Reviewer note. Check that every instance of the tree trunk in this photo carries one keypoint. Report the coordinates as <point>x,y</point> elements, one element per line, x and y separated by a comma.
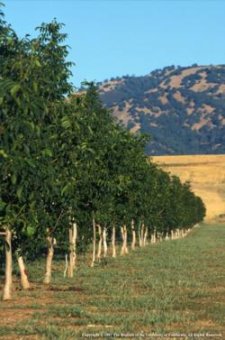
<point>114,241</point>
<point>94,242</point>
<point>145,237</point>
<point>66,266</point>
<point>99,243</point>
<point>133,244</point>
<point>172,235</point>
<point>153,237</point>
<point>167,237</point>
<point>141,236</point>
<point>124,249</point>
<point>125,240</point>
<point>175,234</point>
<point>72,255</point>
<point>7,289</point>
<point>104,239</point>
<point>48,271</point>
<point>23,274</point>
<point>122,252</point>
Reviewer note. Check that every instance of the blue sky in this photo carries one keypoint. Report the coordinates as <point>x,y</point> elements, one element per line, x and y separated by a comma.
<point>115,38</point>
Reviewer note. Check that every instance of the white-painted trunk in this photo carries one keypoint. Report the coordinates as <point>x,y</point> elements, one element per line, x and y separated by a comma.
<point>99,254</point>
<point>172,235</point>
<point>125,240</point>
<point>48,270</point>
<point>153,238</point>
<point>7,289</point>
<point>141,235</point>
<point>72,254</point>
<point>23,274</point>
<point>122,252</point>
<point>94,243</point>
<point>113,241</point>
<point>104,238</point>
<point>66,266</point>
<point>133,244</point>
<point>124,249</point>
<point>167,237</point>
<point>145,241</point>
<point>158,237</point>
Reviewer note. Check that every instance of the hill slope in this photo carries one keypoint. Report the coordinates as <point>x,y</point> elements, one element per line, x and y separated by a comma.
<point>206,174</point>
<point>182,108</point>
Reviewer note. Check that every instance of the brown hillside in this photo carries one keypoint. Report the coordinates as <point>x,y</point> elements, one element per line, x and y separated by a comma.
<point>181,108</point>
<point>206,174</point>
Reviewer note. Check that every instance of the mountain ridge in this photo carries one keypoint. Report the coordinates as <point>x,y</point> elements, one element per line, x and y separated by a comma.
<point>181,108</point>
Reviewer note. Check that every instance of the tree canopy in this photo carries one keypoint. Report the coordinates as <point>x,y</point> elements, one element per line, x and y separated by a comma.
<point>64,157</point>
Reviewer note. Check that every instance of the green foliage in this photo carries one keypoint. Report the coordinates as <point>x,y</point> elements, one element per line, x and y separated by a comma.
<point>63,156</point>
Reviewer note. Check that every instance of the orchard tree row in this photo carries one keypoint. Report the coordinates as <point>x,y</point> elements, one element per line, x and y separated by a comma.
<point>71,176</point>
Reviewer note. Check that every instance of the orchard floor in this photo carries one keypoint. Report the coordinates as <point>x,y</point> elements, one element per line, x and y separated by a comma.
<point>171,290</point>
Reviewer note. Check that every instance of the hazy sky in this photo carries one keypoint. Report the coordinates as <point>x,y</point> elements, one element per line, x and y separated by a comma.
<point>115,38</point>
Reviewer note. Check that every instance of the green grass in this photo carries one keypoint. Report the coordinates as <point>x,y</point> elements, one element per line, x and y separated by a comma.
<point>171,287</point>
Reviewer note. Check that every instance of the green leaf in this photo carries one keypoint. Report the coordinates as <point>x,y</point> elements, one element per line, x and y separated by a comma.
<point>14,90</point>
<point>19,192</point>
<point>65,188</point>
<point>30,162</point>
<point>3,153</point>
<point>47,152</point>
<point>65,121</point>
<point>35,87</point>
<point>2,205</point>
<point>30,230</point>
<point>37,63</point>
<point>13,179</point>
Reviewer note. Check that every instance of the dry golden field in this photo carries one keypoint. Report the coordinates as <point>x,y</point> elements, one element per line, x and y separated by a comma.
<point>206,174</point>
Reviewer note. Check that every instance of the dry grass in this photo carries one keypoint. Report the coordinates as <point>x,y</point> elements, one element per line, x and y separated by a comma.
<point>206,174</point>
<point>176,80</point>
